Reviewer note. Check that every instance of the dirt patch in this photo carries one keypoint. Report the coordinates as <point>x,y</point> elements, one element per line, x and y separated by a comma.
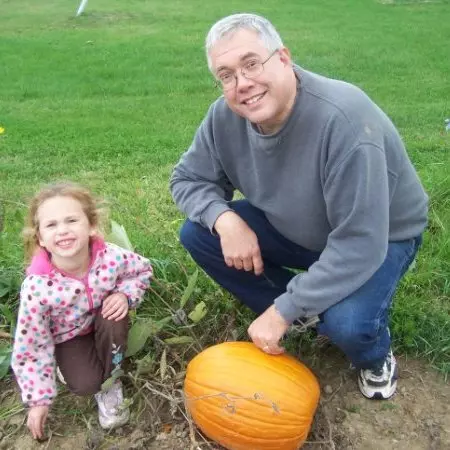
<point>417,418</point>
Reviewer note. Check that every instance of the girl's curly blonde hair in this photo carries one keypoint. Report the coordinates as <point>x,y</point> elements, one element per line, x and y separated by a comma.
<point>91,207</point>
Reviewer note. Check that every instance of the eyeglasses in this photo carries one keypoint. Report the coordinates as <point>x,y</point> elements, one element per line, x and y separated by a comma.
<point>227,80</point>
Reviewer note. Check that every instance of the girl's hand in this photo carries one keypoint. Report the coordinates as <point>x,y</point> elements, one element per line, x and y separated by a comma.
<point>115,307</point>
<point>37,416</point>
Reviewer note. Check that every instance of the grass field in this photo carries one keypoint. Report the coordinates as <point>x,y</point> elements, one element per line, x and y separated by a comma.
<point>112,98</point>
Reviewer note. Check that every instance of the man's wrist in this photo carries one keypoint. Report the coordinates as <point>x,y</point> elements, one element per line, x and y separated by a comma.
<point>280,315</point>
<point>286,308</point>
<point>221,219</point>
<point>211,214</point>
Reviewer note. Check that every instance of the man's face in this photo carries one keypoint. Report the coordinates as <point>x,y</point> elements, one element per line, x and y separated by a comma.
<point>265,100</point>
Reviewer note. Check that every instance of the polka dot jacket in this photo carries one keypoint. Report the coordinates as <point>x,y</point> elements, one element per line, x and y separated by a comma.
<point>55,307</point>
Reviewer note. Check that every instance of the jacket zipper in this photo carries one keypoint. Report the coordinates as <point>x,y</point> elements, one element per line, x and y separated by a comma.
<point>85,281</point>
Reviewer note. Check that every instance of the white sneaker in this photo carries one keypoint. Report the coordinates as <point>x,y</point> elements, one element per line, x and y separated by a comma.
<point>112,413</point>
<point>379,384</point>
<point>60,375</point>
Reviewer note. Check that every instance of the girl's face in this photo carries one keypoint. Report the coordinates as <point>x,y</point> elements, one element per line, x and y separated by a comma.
<point>64,231</point>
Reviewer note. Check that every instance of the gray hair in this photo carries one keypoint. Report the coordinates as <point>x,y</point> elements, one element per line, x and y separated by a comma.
<point>231,24</point>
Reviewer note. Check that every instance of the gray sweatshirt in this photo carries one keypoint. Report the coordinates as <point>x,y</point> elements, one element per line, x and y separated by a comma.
<point>335,178</point>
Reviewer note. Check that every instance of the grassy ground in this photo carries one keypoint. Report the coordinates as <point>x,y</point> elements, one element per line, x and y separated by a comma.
<point>112,98</point>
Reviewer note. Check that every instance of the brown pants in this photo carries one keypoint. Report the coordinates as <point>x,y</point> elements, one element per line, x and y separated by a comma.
<point>87,361</point>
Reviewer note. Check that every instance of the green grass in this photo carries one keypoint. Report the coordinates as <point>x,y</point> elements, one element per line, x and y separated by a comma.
<point>112,98</point>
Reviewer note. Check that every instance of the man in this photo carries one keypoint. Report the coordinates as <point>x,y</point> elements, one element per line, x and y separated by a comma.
<point>328,188</point>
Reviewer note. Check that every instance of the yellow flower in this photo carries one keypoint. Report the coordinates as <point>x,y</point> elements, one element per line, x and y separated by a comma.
<point>2,130</point>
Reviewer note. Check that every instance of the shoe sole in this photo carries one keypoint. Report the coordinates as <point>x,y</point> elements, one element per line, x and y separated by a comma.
<point>374,393</point>
<point>107,426</point>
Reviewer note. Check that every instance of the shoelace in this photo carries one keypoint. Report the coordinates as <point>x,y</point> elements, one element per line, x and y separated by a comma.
<point>378,373</point>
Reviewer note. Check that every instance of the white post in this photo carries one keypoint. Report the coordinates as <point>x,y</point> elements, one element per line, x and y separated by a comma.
<point>81,7</point>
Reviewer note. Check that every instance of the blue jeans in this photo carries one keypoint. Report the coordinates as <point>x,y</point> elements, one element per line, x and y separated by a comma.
<point>358,324</point>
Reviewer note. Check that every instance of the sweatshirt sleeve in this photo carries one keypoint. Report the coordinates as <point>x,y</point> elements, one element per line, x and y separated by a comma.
<point>199,186</point>
<point>33,360</point>
<point>133,277</point>
<point>357,200</point>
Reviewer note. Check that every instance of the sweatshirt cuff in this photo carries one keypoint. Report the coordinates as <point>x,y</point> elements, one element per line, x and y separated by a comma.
<point>212,212</point>
<point>287,308</point>
<point>43,402</point>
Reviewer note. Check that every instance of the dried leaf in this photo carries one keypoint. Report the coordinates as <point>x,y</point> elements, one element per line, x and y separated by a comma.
<point>179,317</point>
<point>163,365</point>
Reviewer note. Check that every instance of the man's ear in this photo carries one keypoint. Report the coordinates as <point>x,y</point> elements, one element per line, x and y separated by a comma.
<point>285,56</point>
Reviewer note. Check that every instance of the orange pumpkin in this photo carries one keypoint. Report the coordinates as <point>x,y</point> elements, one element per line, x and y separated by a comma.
<point>244,399</point>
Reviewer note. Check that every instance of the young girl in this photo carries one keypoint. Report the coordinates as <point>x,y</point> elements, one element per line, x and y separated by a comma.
<point>74,305</point>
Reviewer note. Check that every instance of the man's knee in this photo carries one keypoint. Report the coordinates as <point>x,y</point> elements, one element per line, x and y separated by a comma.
<point>351,330</point>
<point>338,332</point>
<point>197,239</point>
<point>188,234</point>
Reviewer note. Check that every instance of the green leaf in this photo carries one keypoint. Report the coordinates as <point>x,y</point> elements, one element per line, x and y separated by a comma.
<point>6,285</point>
<point>119,236</point>
<point>198,312</point>
<point>107,384</point>
<point>5,359</point>
<point>4,367</point>
<point>7,313</point>
<point>179,340</point>
<point>144,365</point>
<point>140,331</point>
<point>5,349</point>
<point>189,288</point>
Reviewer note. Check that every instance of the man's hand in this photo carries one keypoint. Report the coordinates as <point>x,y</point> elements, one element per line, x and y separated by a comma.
<point>239,243</point>
<point>267,330</point>
<point>115,307</point>
<point>37,416</point>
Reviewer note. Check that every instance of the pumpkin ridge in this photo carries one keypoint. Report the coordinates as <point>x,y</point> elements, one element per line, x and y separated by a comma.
<point>253,439</point>
<point>301,421</point>
<point>264,403</point>
<point>301,389</point>
<point>260,363</point>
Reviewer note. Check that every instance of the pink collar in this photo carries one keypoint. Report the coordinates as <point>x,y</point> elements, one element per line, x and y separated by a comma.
<point>41,263</point>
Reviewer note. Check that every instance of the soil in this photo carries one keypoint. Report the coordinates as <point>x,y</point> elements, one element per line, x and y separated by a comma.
<point>416,418</point>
